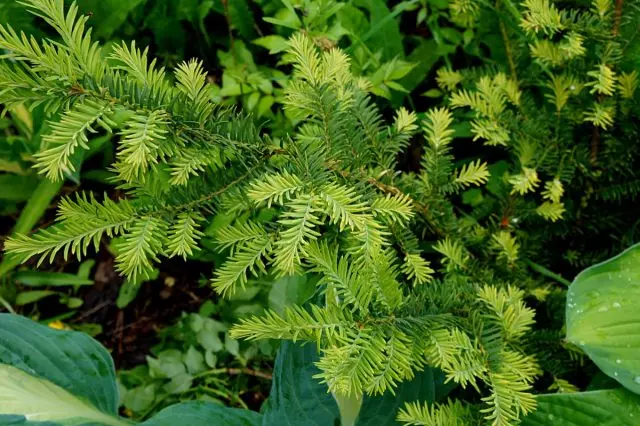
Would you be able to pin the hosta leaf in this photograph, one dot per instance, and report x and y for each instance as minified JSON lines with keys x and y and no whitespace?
{"x":199,"y":413}
{"x":290,"y":290}
{"x":602,"y":316}
{"x":297,"y":398}
{"x":615,"y":407}
{"x":36,"y":400}
{"x":70,"y":360}
{"x":427,"y":386}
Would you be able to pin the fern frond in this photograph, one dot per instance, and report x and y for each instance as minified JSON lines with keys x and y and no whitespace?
{"x":509,"y":400}
{"x":572,"y":45}
{"x":275,"y":188}
{"x":437,"y":125}
{"x":541,"y":15}
{"x":551,"y":210}
{"x":141,"y":144}
{"x":405,"y":121}
{"x":451,"y":413}
{"x":71,"y":27}
{"x":247,"y":259}
{"x":379,"y":270}
{"x":604,"y":81}
{"x":507,"y":310}
{"x":299,"y":222}
{"x":183,"y":235}
{"x":472,"y":174}
{"x":70,"y":133}
{"x":506,"y":245}
{"x":454,"y":253}
{"x":82,"y":223}
{"x":232,"y":236}
{"x":140,"y":247}
{"x":48,"y":58}
{"x":417,"y":269}
{"x":553,"y":190}
{"x":305,"y":58}
{"x":490,"y":130}
{"x":562,"y":87}
{"x":524,"y":182}
{"x":448,"y":79}
{"x":396,"y":364}
{"x":317,"y":325}
{"x":600,"y":115}
{"x":338,"y":272}
{"x":188,"y":162}
{"x":135,"y":63}
{"x":343,"y":207}
{"x":192,"y":82}
{"x":602,"y":7}
{"x":396,"y":208}
{"x":627,"y":84}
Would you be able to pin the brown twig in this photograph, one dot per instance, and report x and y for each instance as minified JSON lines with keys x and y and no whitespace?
{"x":236,"y":372}
{"x":225,"y":5}
{"x":617,"y":17}
{"x":507,"y":46}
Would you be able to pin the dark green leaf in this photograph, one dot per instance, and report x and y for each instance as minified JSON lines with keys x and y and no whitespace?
{"x":17,"y":188}
{"x":291,"y":290}
{"x":296,"y":398}
{"x":204,"y":414}
{"x":602,"y":316}
{"x":26,"y":297}
{"x":384,"y":33}
{"x":427,"y":386}
{"x":54,"y":279}
{"x":108,"y":15}
{"x":616,"y":407}
{"x":71,"y":360}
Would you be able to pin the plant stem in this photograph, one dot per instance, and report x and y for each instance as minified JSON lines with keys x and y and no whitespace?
{"x":6,"y":305}
{"x":349,"y":408}
{"x":547,"y":273}
{"x":235,"y":372}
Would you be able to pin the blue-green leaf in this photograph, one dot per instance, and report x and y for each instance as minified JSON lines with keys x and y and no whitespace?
{"x":602,"y":316}
{"x":297,"y":398}
{"x":427,"y":386}
{"x":199,"y":413}
{"x":615,"y":407}
{"x":68,"y":360}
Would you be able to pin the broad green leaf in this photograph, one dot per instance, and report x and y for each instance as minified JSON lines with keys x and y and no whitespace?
{"x":54,"y":279}
{"x":194,"y":361}
{"x":427,"y":386}
{"x":242,"y":18}
{"x":26,"y":297}
{"x":70,"y":360}
{"x":384,"y":32}
{"x":204,"y":414}
{"x":274,"y":43}
{"x":291,"y":290}
{"x":602,"y":316}
{"x":424,"y":57}
{"x":39,"y":400}
{"x":31,"y":214}
{"x":109,"y":14}
{"x":17,"y":188}
{"x":140,"y":398}
{"x":615,"y":407}
{"x":296,"y":398}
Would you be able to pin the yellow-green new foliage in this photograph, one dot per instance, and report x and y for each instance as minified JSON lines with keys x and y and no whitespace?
{"x":341,"y":209}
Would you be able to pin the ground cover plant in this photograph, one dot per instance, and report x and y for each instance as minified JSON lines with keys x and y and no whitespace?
{"x":394,"y":216}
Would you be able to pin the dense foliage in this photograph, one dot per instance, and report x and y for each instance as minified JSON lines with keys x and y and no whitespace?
{"x":401,"y":235}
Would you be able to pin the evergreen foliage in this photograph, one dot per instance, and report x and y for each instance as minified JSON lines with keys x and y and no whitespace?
{"x":407,"y":278}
